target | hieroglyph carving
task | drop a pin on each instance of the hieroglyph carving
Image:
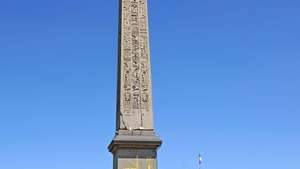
(135, 83)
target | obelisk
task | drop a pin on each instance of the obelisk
(135, 143)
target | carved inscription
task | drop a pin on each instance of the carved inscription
(135, 88)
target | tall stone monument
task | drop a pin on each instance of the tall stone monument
(135, 143)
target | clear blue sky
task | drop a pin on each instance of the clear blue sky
(225, 77)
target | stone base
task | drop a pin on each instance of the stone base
(135, 150)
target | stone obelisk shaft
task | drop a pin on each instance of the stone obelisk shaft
(134, 106)
(135, 143)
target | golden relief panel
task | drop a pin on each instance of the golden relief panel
(133, 163)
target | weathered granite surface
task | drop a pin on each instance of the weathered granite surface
(134, 108)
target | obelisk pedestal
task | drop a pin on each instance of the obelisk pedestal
(135, 143)
(135, 150)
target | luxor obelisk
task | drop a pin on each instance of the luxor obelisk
(135, 143)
